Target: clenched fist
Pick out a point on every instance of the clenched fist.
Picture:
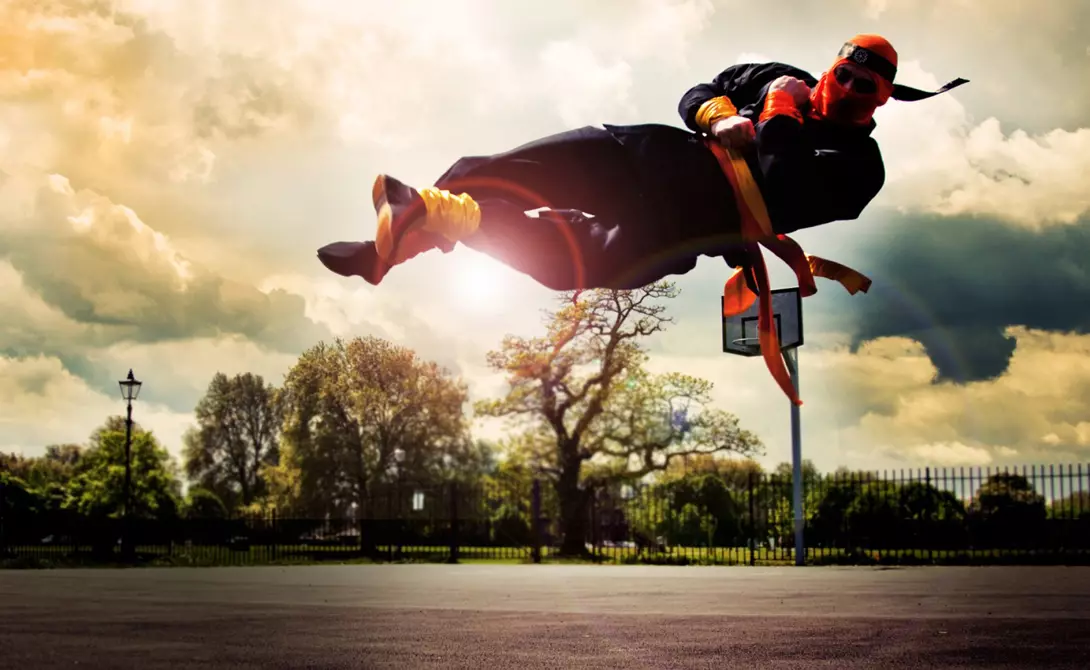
(796, 87)
(733, 132)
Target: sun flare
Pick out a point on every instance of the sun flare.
(480, 282)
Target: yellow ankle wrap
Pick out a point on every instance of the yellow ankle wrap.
(453, 216)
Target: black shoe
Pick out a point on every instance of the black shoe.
(354, 259)
(400, 209)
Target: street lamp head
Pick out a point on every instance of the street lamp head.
(130, 387)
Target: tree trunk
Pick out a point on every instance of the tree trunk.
(573, 514)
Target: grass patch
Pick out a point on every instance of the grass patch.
(216, 556)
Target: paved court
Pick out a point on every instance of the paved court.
(481, 616)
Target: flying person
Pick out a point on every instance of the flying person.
(767, 149)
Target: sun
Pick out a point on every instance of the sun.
(480, 282)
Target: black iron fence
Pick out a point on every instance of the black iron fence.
(1026, 515)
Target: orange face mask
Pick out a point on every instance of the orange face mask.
(831, 99)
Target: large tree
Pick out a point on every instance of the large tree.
(595, 414)
(1007, 512)
(357, 411)
(238, 424)
(97, 487)
(45, 477)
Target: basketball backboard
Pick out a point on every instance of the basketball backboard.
(740, 335)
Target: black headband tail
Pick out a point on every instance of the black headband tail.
(888, 71)
(909, 94)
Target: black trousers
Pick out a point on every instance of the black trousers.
(618, 217)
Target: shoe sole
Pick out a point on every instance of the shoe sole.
(384, 235)
(390, 229)
(354, 259)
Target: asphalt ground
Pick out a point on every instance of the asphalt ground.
(547, 616)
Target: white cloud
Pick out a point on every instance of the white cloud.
(221, 139)
(940, 161)
(177, 370)
(752, 57)
(42, 404)
(879, 406)
(875, 9)
(662, 32)
(107, 269)
(586, 90)
(948, 454)
(1034, 412)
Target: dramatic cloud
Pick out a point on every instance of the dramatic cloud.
(940, 162)
(62, 408)
(1034, 412)
(955, 284)
(167, 168)
(100, 265)
(879, 408)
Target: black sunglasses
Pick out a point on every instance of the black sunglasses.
(862, 85)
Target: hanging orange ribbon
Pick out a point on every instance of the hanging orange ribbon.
(757, 231)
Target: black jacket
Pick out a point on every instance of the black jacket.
(811, 173)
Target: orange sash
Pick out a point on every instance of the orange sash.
(757, 231)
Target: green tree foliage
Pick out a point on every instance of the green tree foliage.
(238, 424)
(1075, 505)
(650, 421)
(738, 473)
(701, 511)
(509, 489)
(593, 413)
(831, 502)
(97, 486)
(1006, 511)
(351, 407)
(17, 498)
(201, 503)
(775, 501)
(931, 517)
(42, 480)
(468, 462)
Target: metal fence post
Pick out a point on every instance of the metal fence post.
(453, 523)
(752, 523)
(535, 528)
(930, 522)
(274, 536)
(3, 522)
(594, 524)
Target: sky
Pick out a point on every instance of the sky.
(169, 167)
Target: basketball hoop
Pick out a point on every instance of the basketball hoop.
(749, 345)
(741, 332)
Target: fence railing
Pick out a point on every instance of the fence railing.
(1030, 515)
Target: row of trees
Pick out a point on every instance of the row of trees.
(708, 505)
(585, 415)
(707, 501)
(728, 502)
(583, 410)
(89, 479)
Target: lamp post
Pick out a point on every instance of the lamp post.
(130, 389)
(399, 460)
(399, 463)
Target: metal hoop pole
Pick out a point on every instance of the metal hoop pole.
(791, 357)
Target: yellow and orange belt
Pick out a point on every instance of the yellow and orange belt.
(757, 231)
